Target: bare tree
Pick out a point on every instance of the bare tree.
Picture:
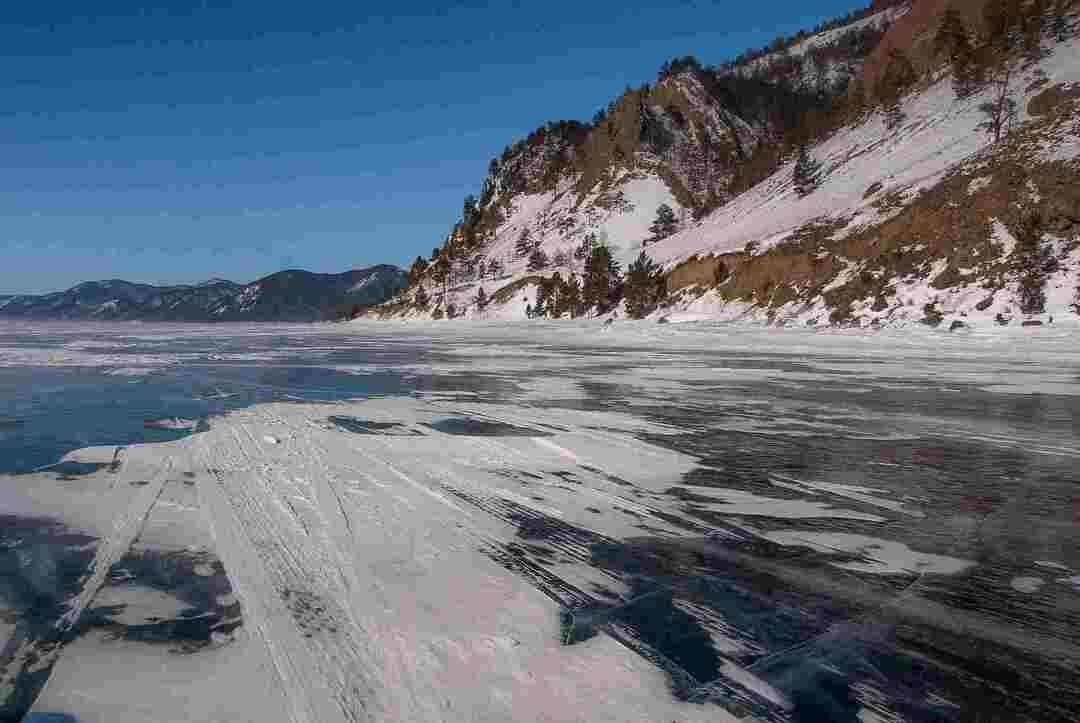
(1000, 111)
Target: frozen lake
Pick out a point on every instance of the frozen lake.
(561, 521)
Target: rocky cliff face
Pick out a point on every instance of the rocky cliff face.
(284, 296)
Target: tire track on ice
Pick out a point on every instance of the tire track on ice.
(292, 586)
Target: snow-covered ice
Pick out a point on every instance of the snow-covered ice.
(545, 523)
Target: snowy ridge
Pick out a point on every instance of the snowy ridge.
(826, 39)
(870, 174)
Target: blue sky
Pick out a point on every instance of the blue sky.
(177, 141)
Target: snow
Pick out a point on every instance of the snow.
(881, 557)
(939, 132)
(830, 37)
(741, 503)
(1027, 584)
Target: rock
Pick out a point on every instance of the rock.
(663, 320)
(957, 325)
(1052, 98)
(1032, 322)
(985, 304)
(874, 188)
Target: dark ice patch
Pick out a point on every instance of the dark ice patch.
(42, 567)
(174, 573)
(71, 470)
(475, 427)
(366, 426)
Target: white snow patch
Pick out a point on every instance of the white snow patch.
(884, 557)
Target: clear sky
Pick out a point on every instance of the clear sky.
(172, 142)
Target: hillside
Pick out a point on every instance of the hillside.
(284, 296)
(917, 213)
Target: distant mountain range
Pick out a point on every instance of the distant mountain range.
(285, 296)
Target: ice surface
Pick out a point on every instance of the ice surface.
(408, 555)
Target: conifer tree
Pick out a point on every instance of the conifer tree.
(1033, 262)
(422, 299)
(524, 244)
(644, 286)
(664, 225)
(417, 270)
(601, 283)
(1059, 20)
(440, 270)
(897, 78)
(556, 292)
(481, 299)
(583, 251)
(953, 41)
(543, 291)
(538, 260)
(807, 173)
(1002, 20)
(572, 297)
(1032, 22)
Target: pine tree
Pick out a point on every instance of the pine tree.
(1003, 19)
(585, 250)
(953, 41)
(897, 78)
(807, 173)
(1059, 20)
(481, 299)
(1033, 262)
(644, 286)
(555, 301)
(440, 271)
(538, 260)
(417, 270)
(524, 245)
(422, 299)
(572, 298)
(601, 283)
(543, 290)
(1032, 20)
(664, 225)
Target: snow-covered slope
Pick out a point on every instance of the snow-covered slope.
(819, 60)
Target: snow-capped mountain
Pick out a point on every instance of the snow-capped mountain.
(919, 211)
(284, 296)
